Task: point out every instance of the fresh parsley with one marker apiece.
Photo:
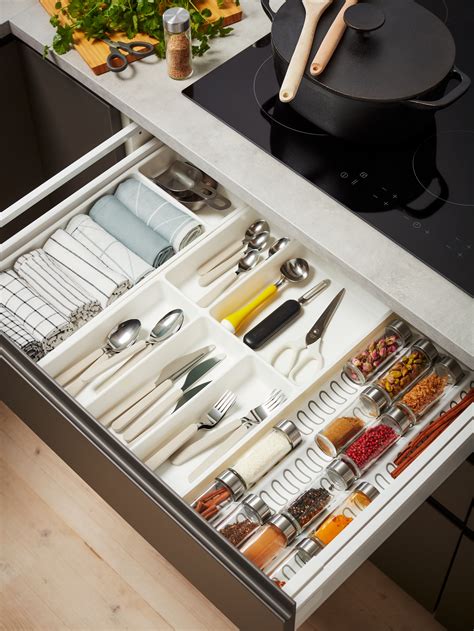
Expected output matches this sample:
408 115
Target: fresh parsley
101 18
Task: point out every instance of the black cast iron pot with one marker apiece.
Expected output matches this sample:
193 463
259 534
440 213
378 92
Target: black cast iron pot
388 76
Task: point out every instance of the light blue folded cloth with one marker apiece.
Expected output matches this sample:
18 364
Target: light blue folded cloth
121 223
174 225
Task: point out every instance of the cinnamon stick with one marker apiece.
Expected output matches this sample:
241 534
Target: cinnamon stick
429 434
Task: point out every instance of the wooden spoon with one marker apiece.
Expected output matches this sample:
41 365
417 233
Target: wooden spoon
330 41
314 9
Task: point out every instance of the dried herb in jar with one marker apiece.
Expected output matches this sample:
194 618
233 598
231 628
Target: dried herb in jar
237 532
308 505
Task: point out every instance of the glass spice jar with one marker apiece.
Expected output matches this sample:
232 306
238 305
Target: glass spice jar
178 48
426 392
363 495
398 377
372 443
308 547
268 541
370 360
241 521
284 570
342 430
231 484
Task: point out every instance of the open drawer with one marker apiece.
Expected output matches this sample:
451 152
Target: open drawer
157 503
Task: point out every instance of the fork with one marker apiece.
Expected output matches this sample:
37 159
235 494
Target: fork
213 416
238 428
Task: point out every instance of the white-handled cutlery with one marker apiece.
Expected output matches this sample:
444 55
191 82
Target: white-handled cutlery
213 416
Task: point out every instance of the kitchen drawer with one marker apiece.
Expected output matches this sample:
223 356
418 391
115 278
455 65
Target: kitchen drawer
157 504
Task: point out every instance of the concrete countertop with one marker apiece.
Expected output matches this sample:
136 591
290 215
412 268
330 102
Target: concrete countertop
145 94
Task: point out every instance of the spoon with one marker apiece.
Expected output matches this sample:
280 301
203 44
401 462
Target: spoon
246 263
293 271
279 244
258 243
167 326
252 231
120 344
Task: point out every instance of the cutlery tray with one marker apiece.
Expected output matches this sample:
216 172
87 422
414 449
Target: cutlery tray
251 376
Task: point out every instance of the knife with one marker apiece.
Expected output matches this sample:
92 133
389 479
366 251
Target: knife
153 390
160 407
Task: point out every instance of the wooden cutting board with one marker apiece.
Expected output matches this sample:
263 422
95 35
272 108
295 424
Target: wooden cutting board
95 52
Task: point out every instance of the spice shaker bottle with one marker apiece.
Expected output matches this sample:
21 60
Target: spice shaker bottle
398 377
177 31
241 521
283 570
342 430
371 444
281 530
342 516
426 392
231 484
308 547
376 354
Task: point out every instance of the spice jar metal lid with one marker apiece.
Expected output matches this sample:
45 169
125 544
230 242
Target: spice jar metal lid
449 366
291 432
340 474
310 546
400 329
399 417
258 505
374 400
176 20
286 525
233 482
426 347
367 489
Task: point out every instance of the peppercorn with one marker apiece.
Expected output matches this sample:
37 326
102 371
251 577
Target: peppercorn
371 444
309 505
237 532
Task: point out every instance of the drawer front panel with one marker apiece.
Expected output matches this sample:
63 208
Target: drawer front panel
212 565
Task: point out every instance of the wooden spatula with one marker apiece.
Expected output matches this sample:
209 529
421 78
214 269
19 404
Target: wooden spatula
314 9
331 41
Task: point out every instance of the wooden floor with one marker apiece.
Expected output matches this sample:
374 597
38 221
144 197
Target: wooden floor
68 561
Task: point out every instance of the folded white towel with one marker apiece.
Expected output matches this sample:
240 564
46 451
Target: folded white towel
52 282
86 269
39 318
14 329
106 247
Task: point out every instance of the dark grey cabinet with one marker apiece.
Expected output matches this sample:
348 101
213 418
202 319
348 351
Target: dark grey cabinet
49 120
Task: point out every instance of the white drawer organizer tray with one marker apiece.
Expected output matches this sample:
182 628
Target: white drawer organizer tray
249 373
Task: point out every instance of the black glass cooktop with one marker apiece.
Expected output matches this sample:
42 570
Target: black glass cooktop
420 194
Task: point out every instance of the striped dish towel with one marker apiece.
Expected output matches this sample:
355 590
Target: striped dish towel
106 247
50 281
88 271
116 218
176 226
14 329
38 317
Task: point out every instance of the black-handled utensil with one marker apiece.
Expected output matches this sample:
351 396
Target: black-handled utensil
281 317
117 60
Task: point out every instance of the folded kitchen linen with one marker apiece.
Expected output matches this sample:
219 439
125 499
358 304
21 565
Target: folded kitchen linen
38 317
176 226
14 329
120 222
86 269
52 282
107 248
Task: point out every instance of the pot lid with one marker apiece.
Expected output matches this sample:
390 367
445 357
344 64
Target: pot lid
393 49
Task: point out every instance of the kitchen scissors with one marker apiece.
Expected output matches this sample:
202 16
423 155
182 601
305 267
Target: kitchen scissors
117 61
292 359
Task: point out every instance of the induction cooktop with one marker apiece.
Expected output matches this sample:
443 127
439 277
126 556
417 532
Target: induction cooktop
420 194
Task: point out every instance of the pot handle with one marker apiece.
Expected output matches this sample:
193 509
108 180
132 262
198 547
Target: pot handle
447 99
268 10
